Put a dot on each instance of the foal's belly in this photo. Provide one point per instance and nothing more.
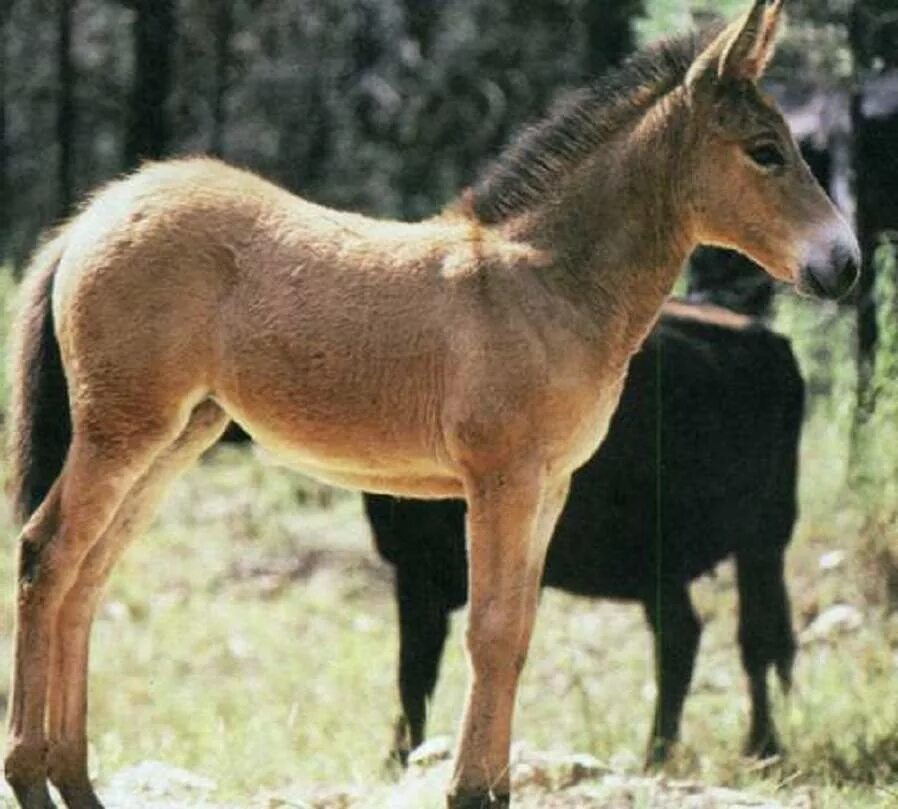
(347, 438)
(354, 461)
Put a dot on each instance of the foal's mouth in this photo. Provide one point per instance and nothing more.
(809, 285)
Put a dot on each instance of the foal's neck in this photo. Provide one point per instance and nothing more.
(616, 229)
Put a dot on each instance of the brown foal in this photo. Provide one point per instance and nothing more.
(478, 354)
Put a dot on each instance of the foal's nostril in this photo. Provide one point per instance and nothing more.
(845, 270)
(834, 278)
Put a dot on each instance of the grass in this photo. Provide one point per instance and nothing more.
(250, 637)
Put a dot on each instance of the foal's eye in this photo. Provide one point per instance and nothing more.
(767, 156)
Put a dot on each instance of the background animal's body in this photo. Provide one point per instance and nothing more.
(699, 465)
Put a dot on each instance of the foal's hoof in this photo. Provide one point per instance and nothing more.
(34, 796)
(80, 798)
(478, 800)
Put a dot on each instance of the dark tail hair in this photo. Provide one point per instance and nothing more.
(40, 416)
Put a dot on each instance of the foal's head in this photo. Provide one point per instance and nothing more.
(749, 188)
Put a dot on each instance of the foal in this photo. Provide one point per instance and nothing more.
(479, 354)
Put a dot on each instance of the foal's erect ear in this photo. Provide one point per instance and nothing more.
(744, 48)
(751, 48)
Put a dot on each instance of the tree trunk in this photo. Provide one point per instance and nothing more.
(421, 16)
(610, 33)
(874, 42)
(4, 146)
(223, 26)
(864, 300)
(865, 304)
(65, 109)
(148, 127)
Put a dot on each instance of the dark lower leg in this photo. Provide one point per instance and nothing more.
(423, 626)
(762, 740)
(677, 631)
(765, 640)
(479, 801)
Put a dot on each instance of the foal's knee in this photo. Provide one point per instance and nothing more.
(496, 641)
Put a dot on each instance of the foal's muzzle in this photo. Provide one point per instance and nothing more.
(833, 278)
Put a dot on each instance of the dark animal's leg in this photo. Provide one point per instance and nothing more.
(67, 693)
(765, 639)
(423, 627)
(677, 630)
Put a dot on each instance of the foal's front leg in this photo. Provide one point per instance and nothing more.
(510, 521)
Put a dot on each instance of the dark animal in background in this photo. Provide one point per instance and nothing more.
(699, 465)
(729, 279)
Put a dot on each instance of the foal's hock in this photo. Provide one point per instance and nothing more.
(479, 354)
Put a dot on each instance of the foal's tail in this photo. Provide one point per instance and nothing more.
(40, 416)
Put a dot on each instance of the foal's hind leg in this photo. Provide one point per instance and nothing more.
(104, 462)
(67, 693)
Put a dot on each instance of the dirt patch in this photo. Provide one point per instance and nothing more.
(541, 781)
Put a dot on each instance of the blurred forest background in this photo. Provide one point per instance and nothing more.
(390, 107)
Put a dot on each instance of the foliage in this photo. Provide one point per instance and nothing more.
(389, 107)
(8, 299)
(886, 377)
(664, 16)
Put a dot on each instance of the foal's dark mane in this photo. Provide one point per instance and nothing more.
(577, 124)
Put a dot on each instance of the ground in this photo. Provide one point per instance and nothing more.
(249, 640)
